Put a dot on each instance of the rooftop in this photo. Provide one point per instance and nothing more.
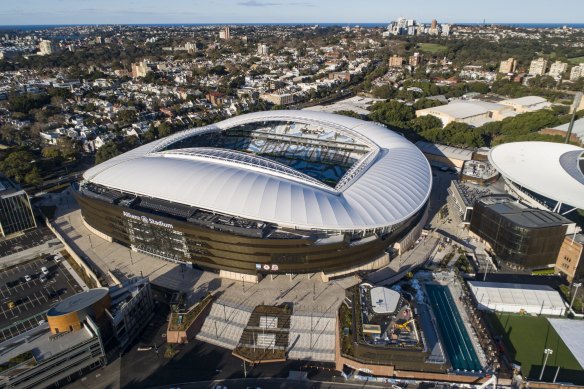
(494, 293)
(78, 301)
(384, 300)
(445, 151)
(526, 217)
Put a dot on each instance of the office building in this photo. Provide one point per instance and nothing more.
(538, 67)
(522, 237)
(508, 66)
(558, 68)
(15, 210)
(570, 261)
(396, 61)
(221, 196)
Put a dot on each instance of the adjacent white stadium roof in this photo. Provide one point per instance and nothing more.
(384, 300)
(505, 297)
(385, 188)
(572, 334)
(549, 169)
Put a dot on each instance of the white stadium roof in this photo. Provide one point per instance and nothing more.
(381, 190)
(549, 169)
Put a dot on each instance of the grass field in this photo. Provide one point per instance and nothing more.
(525, 338)
(433, 48)
(577, 60)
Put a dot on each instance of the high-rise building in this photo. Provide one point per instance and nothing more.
(508, 66)
(446, 29)
(191, 47)
(434, 24)
(263, 49)
(538, 67)
(15, 211)
(140, 69)
(415, 60)
(558, 68)
(46, 47)
(577, 72)
(396, 61)
(224, 33)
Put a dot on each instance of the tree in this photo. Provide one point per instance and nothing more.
(107, 151)
(424, 103)
(33, 177)
(383, 92)
(18, 164)
(425, 122)
(164, 129)
(392, 113)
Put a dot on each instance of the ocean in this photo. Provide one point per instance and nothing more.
(370, 25)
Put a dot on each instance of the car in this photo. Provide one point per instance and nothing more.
(27, 278)
(253, 387)
(43, 278)
(58, 258)
(45, 271)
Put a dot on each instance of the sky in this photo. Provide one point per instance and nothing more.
(33, 12)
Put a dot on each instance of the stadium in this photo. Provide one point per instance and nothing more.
(544, 175)
(267, 192)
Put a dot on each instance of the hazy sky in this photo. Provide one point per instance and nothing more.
(14, 12)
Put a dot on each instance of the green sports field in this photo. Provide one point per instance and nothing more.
(433, 48)
(577, 60)
(525, 338)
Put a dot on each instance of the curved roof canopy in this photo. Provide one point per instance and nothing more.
(553, 170)
(387, 186)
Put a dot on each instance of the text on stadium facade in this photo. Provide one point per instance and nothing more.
(147, 220)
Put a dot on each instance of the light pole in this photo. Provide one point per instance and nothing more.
(577, 285)
(547, 352)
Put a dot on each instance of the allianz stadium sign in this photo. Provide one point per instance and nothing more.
(147, 220)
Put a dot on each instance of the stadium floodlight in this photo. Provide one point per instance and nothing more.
(547, 352)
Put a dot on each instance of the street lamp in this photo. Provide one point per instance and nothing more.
(577, 285)
(547, 352)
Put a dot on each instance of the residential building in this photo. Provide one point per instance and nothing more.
(215, 98)
(191, 47)
(415, 60)
(15, 210)
(577, 72)
(263, 49)
(340, 76)
(140, 69)
(46, 47)
(224, 33)
(571, 258)
(558, 68)
(278, 98)
(508, 66)
(538, 67)
(396, 61)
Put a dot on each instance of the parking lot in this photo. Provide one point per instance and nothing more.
(23, 303)
(30, 239)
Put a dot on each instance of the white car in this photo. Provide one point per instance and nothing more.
(45, 271)
(27, 278)
(43, 278)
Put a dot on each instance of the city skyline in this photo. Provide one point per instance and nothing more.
(36, 12)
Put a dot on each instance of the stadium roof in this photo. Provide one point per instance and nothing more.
(387, 187)
(553, 170)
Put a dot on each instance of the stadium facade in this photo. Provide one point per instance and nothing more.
(267, 192)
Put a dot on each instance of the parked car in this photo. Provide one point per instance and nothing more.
(27, 278)
(43, 278)
(45, 271)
